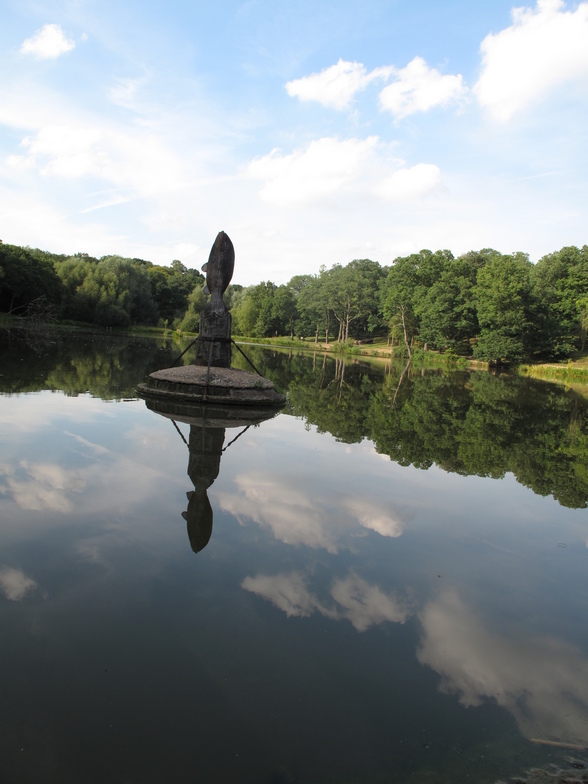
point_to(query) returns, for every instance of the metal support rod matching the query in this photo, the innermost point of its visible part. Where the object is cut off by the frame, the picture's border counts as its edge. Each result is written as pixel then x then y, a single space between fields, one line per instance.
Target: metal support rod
pixel 236 437
pixel 177 359
pixel 246 357
pixel 180 432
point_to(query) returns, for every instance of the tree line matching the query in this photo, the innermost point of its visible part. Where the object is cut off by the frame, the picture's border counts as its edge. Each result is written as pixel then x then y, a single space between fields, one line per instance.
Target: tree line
pixel 492 306
pixel 485 304
pixel 111 291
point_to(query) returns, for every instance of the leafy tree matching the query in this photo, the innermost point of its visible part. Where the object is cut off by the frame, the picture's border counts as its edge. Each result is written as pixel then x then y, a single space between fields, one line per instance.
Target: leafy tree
pixel 304 323
pixel 352 295
pixel 111 292
pixel 244 312
pixel 231 294
pixel 560 282
pixel 26 276
pixel 313 305
pixel 171 288
pixel 284 309
pixel 504 306
pixel 405 288
pixel 268 320
pixel 447 310
pixel 196 302
pixel 254 313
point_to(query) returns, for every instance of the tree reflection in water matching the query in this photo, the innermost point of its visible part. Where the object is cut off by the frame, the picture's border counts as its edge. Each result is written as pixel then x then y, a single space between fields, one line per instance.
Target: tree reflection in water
pixel 465 422
pixel 470 423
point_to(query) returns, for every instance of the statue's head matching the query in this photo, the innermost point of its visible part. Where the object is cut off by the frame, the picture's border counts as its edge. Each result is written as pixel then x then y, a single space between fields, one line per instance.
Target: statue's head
pixel 220 265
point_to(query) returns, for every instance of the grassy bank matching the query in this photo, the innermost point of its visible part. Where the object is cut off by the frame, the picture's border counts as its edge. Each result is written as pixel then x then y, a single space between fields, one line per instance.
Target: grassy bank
pixel 568 372
pixel 378 350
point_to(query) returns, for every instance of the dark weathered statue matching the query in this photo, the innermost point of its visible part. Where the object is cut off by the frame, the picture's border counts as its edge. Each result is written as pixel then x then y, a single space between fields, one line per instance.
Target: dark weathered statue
pixel 211 379
pixel 213 347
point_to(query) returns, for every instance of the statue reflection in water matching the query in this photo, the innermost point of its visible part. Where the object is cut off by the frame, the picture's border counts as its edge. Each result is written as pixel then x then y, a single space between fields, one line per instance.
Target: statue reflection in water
pixel 206 449
pixel 206 444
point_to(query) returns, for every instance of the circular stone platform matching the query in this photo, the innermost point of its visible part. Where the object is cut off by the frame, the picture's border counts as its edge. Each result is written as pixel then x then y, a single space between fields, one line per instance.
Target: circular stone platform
pixel 199 384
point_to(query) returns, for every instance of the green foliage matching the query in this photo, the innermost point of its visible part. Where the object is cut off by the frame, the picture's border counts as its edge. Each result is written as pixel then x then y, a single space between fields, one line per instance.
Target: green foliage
pixel 111 292
pixel 504 308
pixel 171 288
pixel 253 311
pixel 447 309
pixel 25 275
pixel 191 319
pixel 404 292
pixel 560 281
pixel 313 304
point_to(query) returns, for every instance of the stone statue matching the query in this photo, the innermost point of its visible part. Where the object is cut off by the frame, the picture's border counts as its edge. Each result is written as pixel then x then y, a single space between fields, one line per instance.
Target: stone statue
pixel 211 379
pixel 213 347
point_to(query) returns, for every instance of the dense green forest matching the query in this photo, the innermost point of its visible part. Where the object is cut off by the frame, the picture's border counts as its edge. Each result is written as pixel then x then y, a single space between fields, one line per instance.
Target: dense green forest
pixel 485 304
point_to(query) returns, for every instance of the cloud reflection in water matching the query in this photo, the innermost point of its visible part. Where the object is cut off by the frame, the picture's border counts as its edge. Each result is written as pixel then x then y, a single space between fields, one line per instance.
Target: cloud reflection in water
pixel 40 486
pixel 298 518
pixel 351 599
pixel 542 682
pixel 15 585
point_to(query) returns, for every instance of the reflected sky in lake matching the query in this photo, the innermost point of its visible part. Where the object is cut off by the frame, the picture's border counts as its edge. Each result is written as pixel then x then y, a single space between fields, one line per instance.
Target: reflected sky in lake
pixel 350 618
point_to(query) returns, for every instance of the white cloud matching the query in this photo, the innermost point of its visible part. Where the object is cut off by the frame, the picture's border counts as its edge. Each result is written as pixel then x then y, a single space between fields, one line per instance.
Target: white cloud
pixel 542 682
pixel 47 43
pixel 419 88
pixel 416 88
pixel 137 161
pixel 544 47
pixel 335 86
pixel 411 183
pixel 322 169
pixel 330 168
pixel 355 600
pixel 14 584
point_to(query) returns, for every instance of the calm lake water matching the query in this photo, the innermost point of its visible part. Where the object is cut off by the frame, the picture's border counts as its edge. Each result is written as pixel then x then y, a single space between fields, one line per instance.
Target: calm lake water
pixel 394 589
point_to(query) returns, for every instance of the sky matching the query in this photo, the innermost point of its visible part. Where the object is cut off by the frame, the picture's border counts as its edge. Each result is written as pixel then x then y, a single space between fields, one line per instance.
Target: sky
pixel 312 132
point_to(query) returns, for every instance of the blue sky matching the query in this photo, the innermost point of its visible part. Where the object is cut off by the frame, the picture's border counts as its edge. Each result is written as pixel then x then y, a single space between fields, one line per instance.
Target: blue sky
pixel 311 132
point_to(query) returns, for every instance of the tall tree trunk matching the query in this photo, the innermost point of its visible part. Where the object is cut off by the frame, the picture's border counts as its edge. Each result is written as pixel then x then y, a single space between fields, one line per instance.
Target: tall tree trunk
pixel 404 329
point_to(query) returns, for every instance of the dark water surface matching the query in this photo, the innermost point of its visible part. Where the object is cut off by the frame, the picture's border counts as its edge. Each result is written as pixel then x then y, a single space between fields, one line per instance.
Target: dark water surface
pixel 395 588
